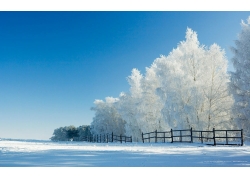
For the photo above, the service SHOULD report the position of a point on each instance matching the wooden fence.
(214, 137)
(106, 138)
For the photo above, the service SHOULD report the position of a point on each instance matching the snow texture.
(32, 153)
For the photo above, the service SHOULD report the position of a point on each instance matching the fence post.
(112, 137)
(226, 138)
(172, 139)
(201, 137)
(191, 133)
(142, 137)
(156, 136)
(125, 138)
(121, 138)
(241, 137)
(149, 137)
(180, 135)
(214, 137)
(164, 137)
(131, 138)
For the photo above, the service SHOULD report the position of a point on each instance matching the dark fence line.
(106, 138)
(214, 137)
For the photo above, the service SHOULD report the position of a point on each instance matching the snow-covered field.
(20, 158)
(28, 153)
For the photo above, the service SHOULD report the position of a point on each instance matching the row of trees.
(71, 133)
(188, 88)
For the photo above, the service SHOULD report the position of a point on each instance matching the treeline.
(190, 87)
(71, 133)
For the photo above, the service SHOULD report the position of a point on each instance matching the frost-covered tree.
(187, 88)
(149, 109)
(127, 108)
(194, 85)
(141, 107)
(107, 119)
(240, 78)
(129, 105)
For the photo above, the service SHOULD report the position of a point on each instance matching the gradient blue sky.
(53, 65)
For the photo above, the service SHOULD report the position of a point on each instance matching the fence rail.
(214, 137)
(106, 138)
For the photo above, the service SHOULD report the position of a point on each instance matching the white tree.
(141, 108)
(194, 85)
(107, 119)
(128, 105)
(187, 88)
(149, 114)
(128, 109)
(240, 79)
(218, 101)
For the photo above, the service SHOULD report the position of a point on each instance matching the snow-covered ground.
(28, 153)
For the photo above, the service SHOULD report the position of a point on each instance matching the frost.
(187, 88)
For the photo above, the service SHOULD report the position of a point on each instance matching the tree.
(128, 105)
(188, 88)
(194, 85)
(240, 79)
(60, 134)
(72, 132)
(83, 132)
(107, 119)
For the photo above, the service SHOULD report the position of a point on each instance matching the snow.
(33, 159)
(31, 153)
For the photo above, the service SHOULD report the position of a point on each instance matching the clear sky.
(53, 65)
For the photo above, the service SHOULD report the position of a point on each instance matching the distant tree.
(60, 134)
(72, 132)
(83, 132)
(107, 119)
(240, 79)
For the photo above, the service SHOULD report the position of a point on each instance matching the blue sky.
(55, 64)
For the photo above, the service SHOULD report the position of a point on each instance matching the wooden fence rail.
(214, 137)
(106, 138)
